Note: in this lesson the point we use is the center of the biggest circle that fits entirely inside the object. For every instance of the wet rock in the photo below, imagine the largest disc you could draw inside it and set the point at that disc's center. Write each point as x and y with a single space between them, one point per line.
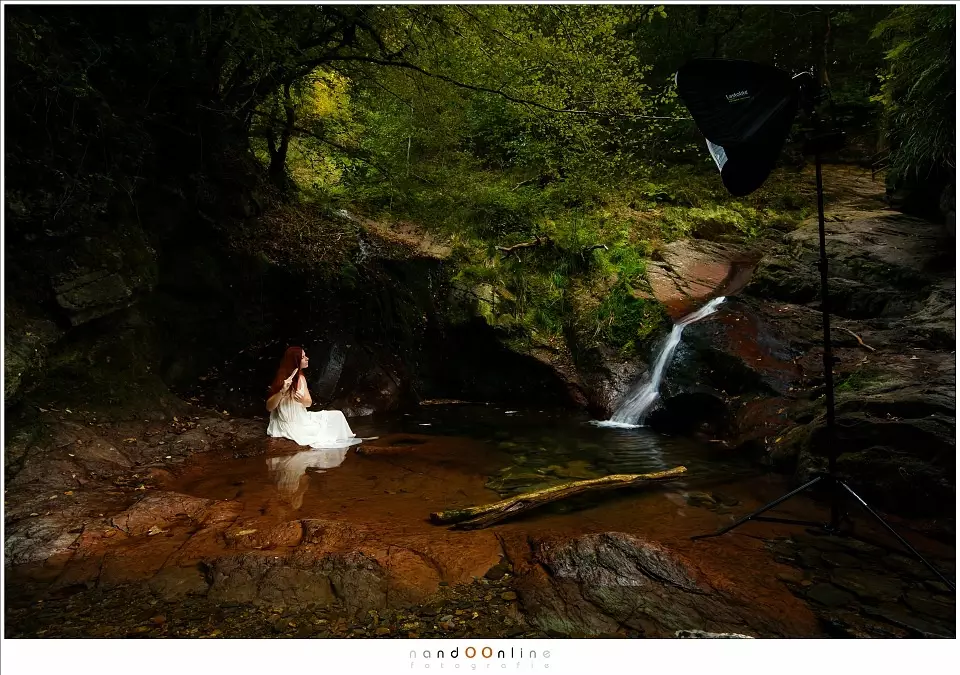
840 559
901 616
221 512
701 499
497 571
27 342
867 586
332 534
299 579
810 557
705 634
937 586
829 595
689 271
38 539
576 470
845 624
939 607
895 405
726 500
275 536
160 509
174 583
599 583
878 261
515 479
790 577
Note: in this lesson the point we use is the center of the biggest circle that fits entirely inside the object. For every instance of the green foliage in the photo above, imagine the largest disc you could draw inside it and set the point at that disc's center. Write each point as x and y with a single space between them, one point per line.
629 322
919 88
495 125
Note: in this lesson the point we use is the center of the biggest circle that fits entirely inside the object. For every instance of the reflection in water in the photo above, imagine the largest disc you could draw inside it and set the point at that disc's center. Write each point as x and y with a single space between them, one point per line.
536 440
290 472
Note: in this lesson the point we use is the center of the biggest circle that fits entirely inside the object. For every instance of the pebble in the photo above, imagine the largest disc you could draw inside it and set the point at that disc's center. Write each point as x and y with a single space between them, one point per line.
509 595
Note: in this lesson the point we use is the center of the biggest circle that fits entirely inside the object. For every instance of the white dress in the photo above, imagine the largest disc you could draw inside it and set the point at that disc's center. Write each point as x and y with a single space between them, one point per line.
320 429
289 471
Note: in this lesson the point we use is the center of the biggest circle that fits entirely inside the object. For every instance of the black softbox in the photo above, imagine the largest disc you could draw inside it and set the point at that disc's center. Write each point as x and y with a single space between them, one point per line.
745 111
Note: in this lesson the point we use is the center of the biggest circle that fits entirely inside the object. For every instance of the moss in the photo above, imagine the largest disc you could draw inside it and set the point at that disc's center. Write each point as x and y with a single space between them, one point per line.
861 379
581 284
630 323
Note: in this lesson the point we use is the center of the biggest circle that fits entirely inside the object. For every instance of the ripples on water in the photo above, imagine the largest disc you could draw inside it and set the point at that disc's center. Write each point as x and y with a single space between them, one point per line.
539 439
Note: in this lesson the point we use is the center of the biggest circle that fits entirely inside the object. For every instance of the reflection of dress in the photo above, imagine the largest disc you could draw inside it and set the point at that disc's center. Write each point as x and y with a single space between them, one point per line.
321 429
290 471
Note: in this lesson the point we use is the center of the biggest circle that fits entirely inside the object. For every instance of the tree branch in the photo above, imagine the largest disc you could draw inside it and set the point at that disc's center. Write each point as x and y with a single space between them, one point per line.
526 244
499 92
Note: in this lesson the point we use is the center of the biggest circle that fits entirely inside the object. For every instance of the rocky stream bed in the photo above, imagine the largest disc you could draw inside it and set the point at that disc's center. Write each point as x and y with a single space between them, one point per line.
180 524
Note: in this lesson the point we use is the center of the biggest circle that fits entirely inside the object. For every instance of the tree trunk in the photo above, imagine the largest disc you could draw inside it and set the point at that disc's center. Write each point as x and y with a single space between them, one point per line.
477 517
278 154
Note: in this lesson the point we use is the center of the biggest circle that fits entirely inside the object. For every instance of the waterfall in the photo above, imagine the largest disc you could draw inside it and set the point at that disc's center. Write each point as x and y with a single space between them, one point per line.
631 411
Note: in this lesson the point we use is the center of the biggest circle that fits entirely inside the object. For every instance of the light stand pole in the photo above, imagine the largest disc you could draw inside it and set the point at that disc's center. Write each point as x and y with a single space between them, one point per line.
745 111
836 487
828 359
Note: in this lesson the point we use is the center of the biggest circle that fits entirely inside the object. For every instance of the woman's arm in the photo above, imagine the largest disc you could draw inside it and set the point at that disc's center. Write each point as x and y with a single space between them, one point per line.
274 400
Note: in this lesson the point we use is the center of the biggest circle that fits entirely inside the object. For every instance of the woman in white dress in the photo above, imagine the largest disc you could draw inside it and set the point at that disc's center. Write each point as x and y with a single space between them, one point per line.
288 401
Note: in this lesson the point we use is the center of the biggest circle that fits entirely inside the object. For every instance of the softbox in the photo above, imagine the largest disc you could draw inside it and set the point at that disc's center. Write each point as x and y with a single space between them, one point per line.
745 111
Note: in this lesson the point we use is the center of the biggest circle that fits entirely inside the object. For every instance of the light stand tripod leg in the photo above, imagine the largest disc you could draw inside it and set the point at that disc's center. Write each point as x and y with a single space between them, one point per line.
894 533
761 510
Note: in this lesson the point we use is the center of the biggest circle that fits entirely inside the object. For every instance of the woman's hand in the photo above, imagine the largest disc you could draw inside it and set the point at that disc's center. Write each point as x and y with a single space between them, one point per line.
287 382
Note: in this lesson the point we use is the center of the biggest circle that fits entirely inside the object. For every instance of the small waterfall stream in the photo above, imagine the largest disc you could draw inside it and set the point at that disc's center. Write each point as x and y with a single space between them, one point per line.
634 407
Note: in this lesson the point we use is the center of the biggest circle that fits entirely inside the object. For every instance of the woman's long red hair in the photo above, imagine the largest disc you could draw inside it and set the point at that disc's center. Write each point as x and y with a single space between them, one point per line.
291 361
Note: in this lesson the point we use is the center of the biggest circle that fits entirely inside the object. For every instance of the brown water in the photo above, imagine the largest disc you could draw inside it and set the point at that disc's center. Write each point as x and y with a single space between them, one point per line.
376 499
445 456
451 456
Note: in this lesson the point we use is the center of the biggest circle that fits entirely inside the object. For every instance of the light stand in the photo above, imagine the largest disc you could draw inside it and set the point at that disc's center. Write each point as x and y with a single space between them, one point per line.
838 489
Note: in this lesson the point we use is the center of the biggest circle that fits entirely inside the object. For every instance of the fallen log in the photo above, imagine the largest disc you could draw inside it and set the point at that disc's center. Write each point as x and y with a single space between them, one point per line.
478 517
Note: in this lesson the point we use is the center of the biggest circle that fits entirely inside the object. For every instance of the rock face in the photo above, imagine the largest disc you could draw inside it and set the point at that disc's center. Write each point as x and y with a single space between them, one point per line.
754 372
891 286
691 271
595 583
158 510
99 275
859 589
27 343
881 264
302 579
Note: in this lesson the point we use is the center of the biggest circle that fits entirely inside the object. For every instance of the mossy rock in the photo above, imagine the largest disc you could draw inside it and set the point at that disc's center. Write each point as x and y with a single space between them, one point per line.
27 343
575 470
105 367
514 479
